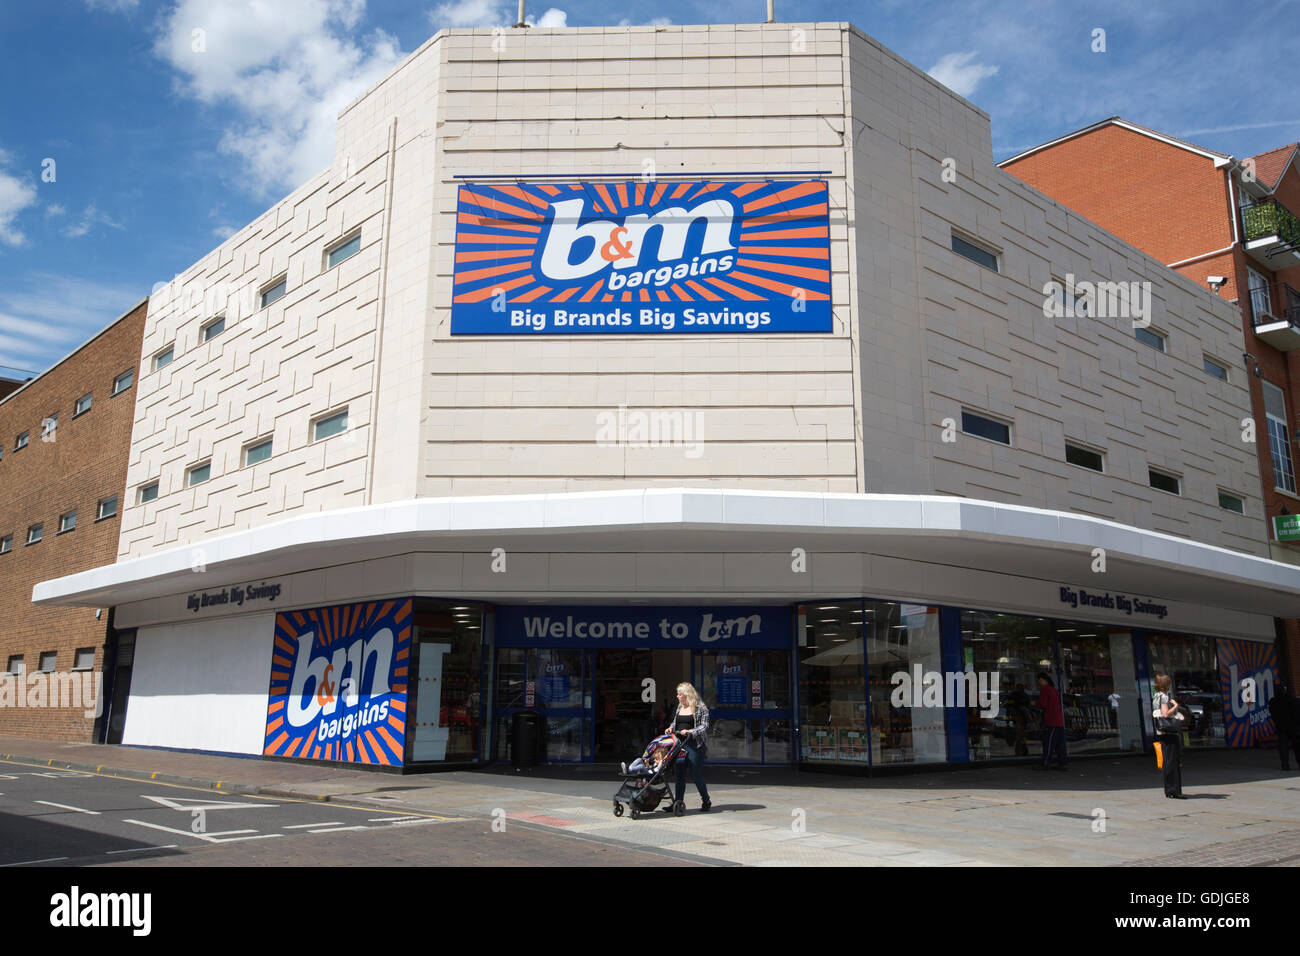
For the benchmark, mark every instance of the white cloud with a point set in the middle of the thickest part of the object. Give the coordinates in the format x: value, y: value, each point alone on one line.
x: 481, y: 14
x: 15, y: 195
x: 45, y: 315
x: 91, y: 217
x: 54, y: 209
x: 285, y: 68
x: 960, y: 73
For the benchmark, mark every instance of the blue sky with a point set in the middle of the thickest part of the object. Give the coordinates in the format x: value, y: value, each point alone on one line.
x: 159, y: 154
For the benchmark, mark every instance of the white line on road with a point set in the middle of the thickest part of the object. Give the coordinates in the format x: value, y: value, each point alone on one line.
x: 64, y: 806
x: 308, y: 826
x: 48, y: 859
x: 392, y: 819
x: 338, y: 829
x: 208, y: 837
x: 141, y: 849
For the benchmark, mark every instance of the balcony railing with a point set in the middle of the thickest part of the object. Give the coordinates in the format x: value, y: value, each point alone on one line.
x: 1275, y: 302
x: 1267, y: 218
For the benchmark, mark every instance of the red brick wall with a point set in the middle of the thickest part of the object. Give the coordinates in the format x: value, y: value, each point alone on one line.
x: 85, y: 462
x: 1170, y: 203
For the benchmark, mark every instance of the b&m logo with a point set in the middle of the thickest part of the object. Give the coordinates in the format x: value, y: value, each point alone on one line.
x: 338, y: 683
x: 642, y: 258
x: 1245, y: 715
x: 728, y: 669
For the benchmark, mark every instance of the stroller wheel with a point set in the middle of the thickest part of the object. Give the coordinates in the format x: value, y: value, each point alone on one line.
x: 679, y: 808
x: 636, y: 814
x: 618, y: 809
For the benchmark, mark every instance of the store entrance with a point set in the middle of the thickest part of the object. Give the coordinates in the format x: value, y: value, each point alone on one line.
x: 636, y: 694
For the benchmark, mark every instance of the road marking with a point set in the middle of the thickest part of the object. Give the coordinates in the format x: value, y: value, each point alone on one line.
x: 208, y: 837
x: 48, y: 859
x: 190, y: 803
x: 337, y: 829
x: 139, y: 849
x: 308, y: 826
x: 64, y: 806
x: 391, y: 819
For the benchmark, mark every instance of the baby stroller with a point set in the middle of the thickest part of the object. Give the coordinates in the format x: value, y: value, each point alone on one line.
x: 643, y: 790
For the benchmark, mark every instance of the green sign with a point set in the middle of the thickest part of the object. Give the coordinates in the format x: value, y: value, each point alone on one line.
x: 1286, y: 527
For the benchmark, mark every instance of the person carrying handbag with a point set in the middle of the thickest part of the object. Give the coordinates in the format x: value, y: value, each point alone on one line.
x: 1168, y: 718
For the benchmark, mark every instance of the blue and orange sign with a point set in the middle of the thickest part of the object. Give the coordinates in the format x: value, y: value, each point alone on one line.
x: 338, y: 683
x: 1248, y: 681
x: 642, y: 258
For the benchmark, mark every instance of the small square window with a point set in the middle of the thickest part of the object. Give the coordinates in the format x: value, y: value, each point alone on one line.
x: 6, y: 544
x: 1147, y: 337
x: 273, y: 292
x: 975, y: 253
x: 1231, y: 502
x: 1214, y: 368
x: 164, y: 357
x: 123, y: 381
x: 258, y: 452
x: 84, y: 659
x: 34, y: 533
x: 344, y: 250
x: 328, y: 427
x: 1163, y: 482
x: 198, y: 474
x: 48, y: 661
x: 978, y: 425
x: 21, y: 441
x: 1084, y: 457
x: 15, y: 664
x: 148, y: 493
x: 83, y: 405
x: 67, y: 522
x: 214, y: 328
x: 107, y: 508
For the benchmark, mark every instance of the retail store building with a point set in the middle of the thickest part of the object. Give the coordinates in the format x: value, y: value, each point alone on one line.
x: 606, y: 358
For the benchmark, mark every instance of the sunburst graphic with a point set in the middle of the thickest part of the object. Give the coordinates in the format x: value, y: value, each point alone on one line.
x: 779, y: 232
x: 335, y: 628
x: 1249, y: 657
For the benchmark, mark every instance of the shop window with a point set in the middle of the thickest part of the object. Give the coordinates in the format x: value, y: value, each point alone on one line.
x: 1099, y: 690
x: 982, y: 426
x: 1165, y: 482
x: 274, y: 291
x: 1016, y: 648
x: 975, y: 252
x: 1147, y: 337
x: 1084, y: 457
x: 1192, y: 666
x: 832, y: 684
x: 900, y: 638
x: 344, y: 250
x: 1231, y: 502
x: 552, y: 682
x: 445, y: 697
x: 748, y: 692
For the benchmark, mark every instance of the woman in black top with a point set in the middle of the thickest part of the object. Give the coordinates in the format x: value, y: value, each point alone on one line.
x: 691, y: 721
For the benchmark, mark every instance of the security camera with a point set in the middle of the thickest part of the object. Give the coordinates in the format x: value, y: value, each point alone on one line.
x: 1216, y: 282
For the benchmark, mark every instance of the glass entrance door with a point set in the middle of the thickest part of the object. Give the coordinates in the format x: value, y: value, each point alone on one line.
x: 555, y: 683
x: 748, y: 693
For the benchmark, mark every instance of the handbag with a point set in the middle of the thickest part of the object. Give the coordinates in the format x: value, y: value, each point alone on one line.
x: 1166, y: 725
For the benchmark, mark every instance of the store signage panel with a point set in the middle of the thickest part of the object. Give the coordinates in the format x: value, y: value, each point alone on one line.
x: 641, y: 257
x: 720, y: 627
x: 1247, y: 681
x: 338, y: 683
x: 1286, y: 527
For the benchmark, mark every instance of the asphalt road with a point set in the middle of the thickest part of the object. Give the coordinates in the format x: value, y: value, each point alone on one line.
x: 64, y: 818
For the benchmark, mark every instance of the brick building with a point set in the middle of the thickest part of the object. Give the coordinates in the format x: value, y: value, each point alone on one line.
x: 1227, y: 224
x: 64, y: 440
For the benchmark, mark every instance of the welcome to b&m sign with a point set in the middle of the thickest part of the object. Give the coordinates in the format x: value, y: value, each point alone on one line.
x: 641, y: 258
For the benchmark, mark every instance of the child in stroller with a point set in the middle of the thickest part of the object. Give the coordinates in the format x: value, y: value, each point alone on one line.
x: 644, y: 783
x: 652, y: 759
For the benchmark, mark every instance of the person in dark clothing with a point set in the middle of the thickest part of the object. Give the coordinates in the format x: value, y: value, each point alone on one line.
x: 691, y: 722
x: 1171, y: 742
x: 1049, y: 702
x: 1283, y: 709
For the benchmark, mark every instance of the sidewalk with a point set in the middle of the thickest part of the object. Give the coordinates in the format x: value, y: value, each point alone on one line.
x: 1243, y: 810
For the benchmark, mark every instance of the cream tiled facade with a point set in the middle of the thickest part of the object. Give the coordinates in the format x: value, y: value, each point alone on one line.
x: 919, y: 332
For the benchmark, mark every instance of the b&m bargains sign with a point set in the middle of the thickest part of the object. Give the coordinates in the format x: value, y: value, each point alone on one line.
x: 338, y: 683
x: 641, y: 258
